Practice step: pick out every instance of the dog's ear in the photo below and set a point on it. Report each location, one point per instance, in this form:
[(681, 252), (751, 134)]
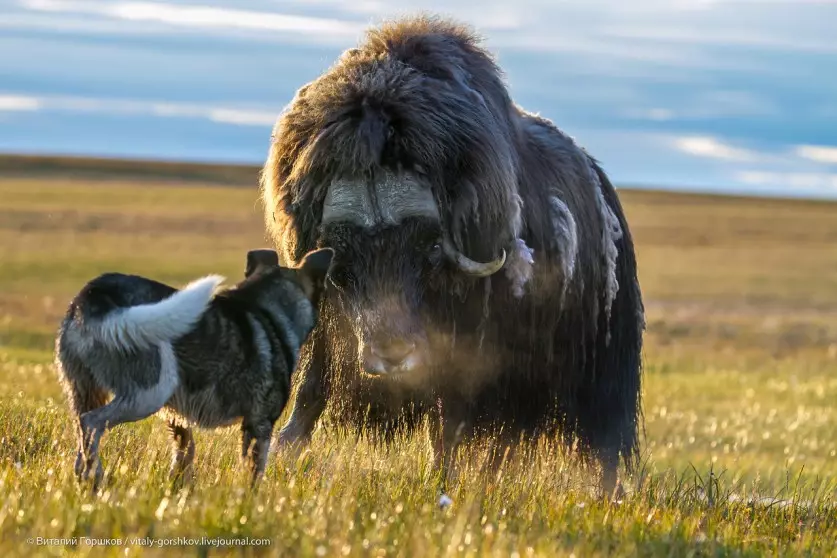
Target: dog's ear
[(256, 259), (313, 270)]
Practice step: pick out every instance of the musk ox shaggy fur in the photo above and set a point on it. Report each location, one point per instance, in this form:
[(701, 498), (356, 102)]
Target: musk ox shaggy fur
[(484, 273)]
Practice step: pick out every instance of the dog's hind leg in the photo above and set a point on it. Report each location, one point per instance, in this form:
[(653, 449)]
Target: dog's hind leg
[(184, 451), (84, 395), (128, 406)]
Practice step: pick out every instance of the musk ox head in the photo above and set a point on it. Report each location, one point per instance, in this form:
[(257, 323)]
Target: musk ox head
[(402, 158)]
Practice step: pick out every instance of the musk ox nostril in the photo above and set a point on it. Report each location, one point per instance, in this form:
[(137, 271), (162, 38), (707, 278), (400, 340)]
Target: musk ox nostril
[(393, 352)]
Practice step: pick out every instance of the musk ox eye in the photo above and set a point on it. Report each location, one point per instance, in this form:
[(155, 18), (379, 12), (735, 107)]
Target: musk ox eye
[(435, 253)]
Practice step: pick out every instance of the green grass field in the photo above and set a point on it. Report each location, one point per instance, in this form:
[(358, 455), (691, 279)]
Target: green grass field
[(740, 394)]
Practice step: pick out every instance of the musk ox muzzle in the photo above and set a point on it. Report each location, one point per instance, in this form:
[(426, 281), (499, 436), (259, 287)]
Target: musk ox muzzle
[(391, 356), (392, 339)]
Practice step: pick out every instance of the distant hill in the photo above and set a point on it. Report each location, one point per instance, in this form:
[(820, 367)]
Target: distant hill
[(55, 167), (84, 168)]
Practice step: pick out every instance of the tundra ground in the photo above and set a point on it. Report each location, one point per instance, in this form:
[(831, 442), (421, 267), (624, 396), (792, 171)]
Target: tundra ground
[(740, 397)]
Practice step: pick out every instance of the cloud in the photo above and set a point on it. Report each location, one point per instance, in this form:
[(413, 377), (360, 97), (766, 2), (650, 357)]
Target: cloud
[(818, 153), (729, 37), (707, 104), (243, 117), (807, 181), (203, 17), (493, 14), (657, 114), (225, 115), (14, 103), (605, 34), (799, 169), (710, 147)]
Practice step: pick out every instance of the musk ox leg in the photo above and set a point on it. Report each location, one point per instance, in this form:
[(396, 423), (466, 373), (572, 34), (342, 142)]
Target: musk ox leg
[(502, 449), (611, 485), (309, 404), (447, 425), (311, 396), (614, 398)]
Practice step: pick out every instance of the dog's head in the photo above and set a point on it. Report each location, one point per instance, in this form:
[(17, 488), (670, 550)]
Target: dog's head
[(309, 275)]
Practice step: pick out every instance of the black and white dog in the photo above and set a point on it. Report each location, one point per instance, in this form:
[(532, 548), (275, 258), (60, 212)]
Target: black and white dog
[(203, 356)]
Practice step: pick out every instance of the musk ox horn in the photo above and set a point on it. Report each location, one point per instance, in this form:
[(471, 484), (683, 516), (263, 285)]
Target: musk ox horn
[(468, 265)]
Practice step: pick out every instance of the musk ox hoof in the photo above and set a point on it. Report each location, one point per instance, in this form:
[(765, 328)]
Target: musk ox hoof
[(613, 494), (292, 440)]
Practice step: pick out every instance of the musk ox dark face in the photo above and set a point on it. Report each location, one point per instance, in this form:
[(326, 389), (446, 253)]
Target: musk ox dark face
[(393, 263), (382, 278)]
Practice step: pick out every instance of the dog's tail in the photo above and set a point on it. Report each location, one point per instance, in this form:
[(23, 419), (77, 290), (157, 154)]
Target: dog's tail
[(146, 325)]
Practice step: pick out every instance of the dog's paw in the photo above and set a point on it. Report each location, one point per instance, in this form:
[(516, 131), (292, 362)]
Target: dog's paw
[(89, 471)]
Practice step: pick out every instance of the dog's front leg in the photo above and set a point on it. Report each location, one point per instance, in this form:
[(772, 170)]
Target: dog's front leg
[(255, 445), (184, 452)]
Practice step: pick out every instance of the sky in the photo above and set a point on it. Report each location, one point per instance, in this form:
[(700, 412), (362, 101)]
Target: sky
[(704, 95)]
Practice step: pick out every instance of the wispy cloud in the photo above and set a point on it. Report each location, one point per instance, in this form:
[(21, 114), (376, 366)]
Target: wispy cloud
[(807, 181), (242, 117), (710, 147), (705, 104), (203, 17), (227, 115), (656, 114), (818, 153), (656, 32), (493, 15), (732, 36), (14, 103), (787, 170)]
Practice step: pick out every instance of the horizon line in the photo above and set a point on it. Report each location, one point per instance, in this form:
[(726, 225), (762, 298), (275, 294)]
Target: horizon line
[(129, 163)]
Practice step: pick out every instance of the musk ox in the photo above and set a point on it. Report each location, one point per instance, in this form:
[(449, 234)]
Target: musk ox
[(484, 274)]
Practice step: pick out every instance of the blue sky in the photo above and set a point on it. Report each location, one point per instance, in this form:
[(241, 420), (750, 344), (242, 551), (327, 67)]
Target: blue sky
[(712, 95)]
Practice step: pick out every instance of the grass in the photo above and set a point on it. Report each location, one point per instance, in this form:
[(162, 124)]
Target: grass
[(740, 392)]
